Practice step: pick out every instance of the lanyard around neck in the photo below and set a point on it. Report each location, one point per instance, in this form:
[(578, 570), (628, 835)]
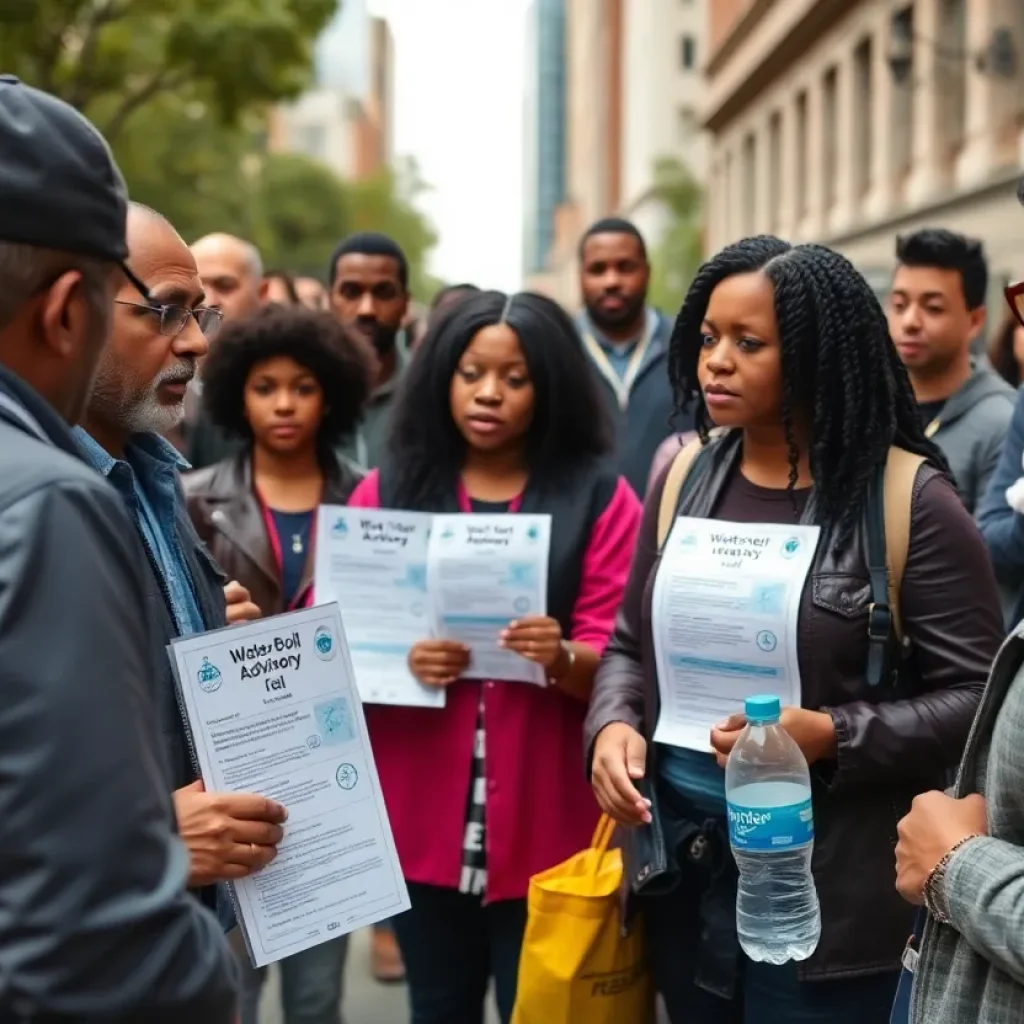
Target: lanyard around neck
[(623, 385)]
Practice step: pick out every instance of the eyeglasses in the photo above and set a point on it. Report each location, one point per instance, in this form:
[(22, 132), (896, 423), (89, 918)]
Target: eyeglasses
[(1015, 297), (174, 318)]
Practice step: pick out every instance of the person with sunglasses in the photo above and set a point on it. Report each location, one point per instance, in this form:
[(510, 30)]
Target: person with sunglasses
[(138, 395), (1001, 513)]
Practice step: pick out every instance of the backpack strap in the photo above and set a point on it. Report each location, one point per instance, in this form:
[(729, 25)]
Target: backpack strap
[(887, 519), (673, 488), (898, 489)]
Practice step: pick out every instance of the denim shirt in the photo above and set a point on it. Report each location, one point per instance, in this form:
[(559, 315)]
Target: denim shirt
[(147, 480)]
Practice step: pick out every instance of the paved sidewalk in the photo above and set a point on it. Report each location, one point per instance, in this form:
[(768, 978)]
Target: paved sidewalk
[(365, 1001)]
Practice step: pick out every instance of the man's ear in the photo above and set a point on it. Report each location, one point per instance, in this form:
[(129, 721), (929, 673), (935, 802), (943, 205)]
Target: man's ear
[(263, 290), (64, 313), (978, 317)]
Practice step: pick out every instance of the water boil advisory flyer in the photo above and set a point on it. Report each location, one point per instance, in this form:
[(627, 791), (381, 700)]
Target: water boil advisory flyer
[(273, 709)]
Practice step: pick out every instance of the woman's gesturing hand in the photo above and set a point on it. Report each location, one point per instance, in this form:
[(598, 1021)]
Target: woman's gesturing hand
[(536, 637), (620, 755), (438, 662)]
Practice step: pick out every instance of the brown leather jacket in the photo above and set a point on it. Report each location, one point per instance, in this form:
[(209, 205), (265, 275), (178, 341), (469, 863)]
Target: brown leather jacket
[(227, 515), (892, 743)]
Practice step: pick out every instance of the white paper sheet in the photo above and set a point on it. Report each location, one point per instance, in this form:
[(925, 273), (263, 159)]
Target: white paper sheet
[(374, 564), (725, 608), (273, 709), (483, 572)]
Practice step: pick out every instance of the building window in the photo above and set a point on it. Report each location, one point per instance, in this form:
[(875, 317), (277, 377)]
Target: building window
[(863, 114), (802, 156), (688, 52), (774, 171), (901, 133), (688, 127), (951, 74), (830, 110), (749, 184)]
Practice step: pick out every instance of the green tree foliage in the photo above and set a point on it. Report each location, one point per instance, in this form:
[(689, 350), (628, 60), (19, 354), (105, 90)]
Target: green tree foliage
[(181, 89), (112, 58), (304, 210), (679, 251), (386, 202)]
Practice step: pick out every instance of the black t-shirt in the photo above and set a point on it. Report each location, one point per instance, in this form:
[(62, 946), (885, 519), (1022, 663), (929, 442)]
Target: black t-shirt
[(930, 411)]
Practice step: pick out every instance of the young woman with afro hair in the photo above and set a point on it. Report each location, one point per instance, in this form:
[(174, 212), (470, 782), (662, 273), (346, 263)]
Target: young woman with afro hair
[(291, 383)]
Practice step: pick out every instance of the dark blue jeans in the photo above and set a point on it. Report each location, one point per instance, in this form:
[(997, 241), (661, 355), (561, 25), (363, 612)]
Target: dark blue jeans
[(764, 994), (452, 945)]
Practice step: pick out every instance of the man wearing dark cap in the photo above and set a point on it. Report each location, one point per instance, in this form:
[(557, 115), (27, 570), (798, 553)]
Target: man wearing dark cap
[(95, 923)]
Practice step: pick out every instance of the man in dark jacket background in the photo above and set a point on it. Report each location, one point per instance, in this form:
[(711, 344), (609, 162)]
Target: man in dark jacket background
[(627, 342), (95, 922)]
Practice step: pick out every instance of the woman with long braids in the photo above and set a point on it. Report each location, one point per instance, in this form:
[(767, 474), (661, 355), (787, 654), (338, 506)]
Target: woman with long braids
[(786, 350), (498, 414)]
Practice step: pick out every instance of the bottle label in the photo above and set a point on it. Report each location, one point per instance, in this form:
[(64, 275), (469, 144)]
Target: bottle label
[(771, 828)]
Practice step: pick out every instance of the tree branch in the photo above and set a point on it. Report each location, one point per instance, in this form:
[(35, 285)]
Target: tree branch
[(103, 13), (48, 58), (162, 81)]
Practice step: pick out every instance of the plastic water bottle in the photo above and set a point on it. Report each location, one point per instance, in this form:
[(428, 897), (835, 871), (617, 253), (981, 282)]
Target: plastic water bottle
[(771, 831)]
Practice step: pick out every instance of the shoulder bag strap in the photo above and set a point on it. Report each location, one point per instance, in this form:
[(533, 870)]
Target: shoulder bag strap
[(673, 488), (887, 521)]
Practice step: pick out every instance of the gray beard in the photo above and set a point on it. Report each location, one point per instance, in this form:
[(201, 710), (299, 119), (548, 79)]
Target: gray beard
[(134, 413)]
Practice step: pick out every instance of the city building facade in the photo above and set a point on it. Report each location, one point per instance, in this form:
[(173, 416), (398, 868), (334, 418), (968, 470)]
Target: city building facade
[(345, 120), (662, 92), (544, 139), (632, 96), (850, 123)]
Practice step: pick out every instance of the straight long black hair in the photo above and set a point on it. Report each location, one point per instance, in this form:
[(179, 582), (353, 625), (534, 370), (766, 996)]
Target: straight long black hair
[(840, 369), (570, 420)]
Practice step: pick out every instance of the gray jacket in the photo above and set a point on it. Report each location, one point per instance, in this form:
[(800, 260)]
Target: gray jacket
[(95, 921), (972, 426), (974, 970)]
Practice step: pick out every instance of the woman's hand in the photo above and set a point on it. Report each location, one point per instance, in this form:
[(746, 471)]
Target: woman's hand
[(935, 824), (438, 662), (813, 731), (537, 638), (620, 755)]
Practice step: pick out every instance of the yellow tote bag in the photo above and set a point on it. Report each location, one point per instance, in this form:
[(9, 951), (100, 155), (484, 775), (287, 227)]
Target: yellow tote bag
[(576, 967)]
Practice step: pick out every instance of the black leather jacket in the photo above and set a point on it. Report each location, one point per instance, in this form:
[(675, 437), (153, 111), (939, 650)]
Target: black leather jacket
[(893, 742)]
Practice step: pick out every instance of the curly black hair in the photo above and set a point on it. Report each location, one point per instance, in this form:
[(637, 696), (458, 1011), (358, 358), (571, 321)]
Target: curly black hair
[(839, 368), (315, 340), (570, 421)]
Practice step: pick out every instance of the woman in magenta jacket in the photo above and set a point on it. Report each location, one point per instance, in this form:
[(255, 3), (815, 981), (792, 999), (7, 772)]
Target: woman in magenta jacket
[(498, 414)]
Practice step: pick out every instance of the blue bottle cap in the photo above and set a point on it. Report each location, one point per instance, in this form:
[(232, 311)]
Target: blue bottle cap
[(763, 708)]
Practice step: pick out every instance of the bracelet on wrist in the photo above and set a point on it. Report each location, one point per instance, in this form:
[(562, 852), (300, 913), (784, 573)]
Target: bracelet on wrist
[(934, 897), (566, 658)]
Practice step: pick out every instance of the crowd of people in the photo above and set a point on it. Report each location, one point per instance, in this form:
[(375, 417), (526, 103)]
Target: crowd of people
[(173, 415)]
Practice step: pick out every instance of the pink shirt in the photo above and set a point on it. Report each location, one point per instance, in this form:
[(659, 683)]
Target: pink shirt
[(540, 809)]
